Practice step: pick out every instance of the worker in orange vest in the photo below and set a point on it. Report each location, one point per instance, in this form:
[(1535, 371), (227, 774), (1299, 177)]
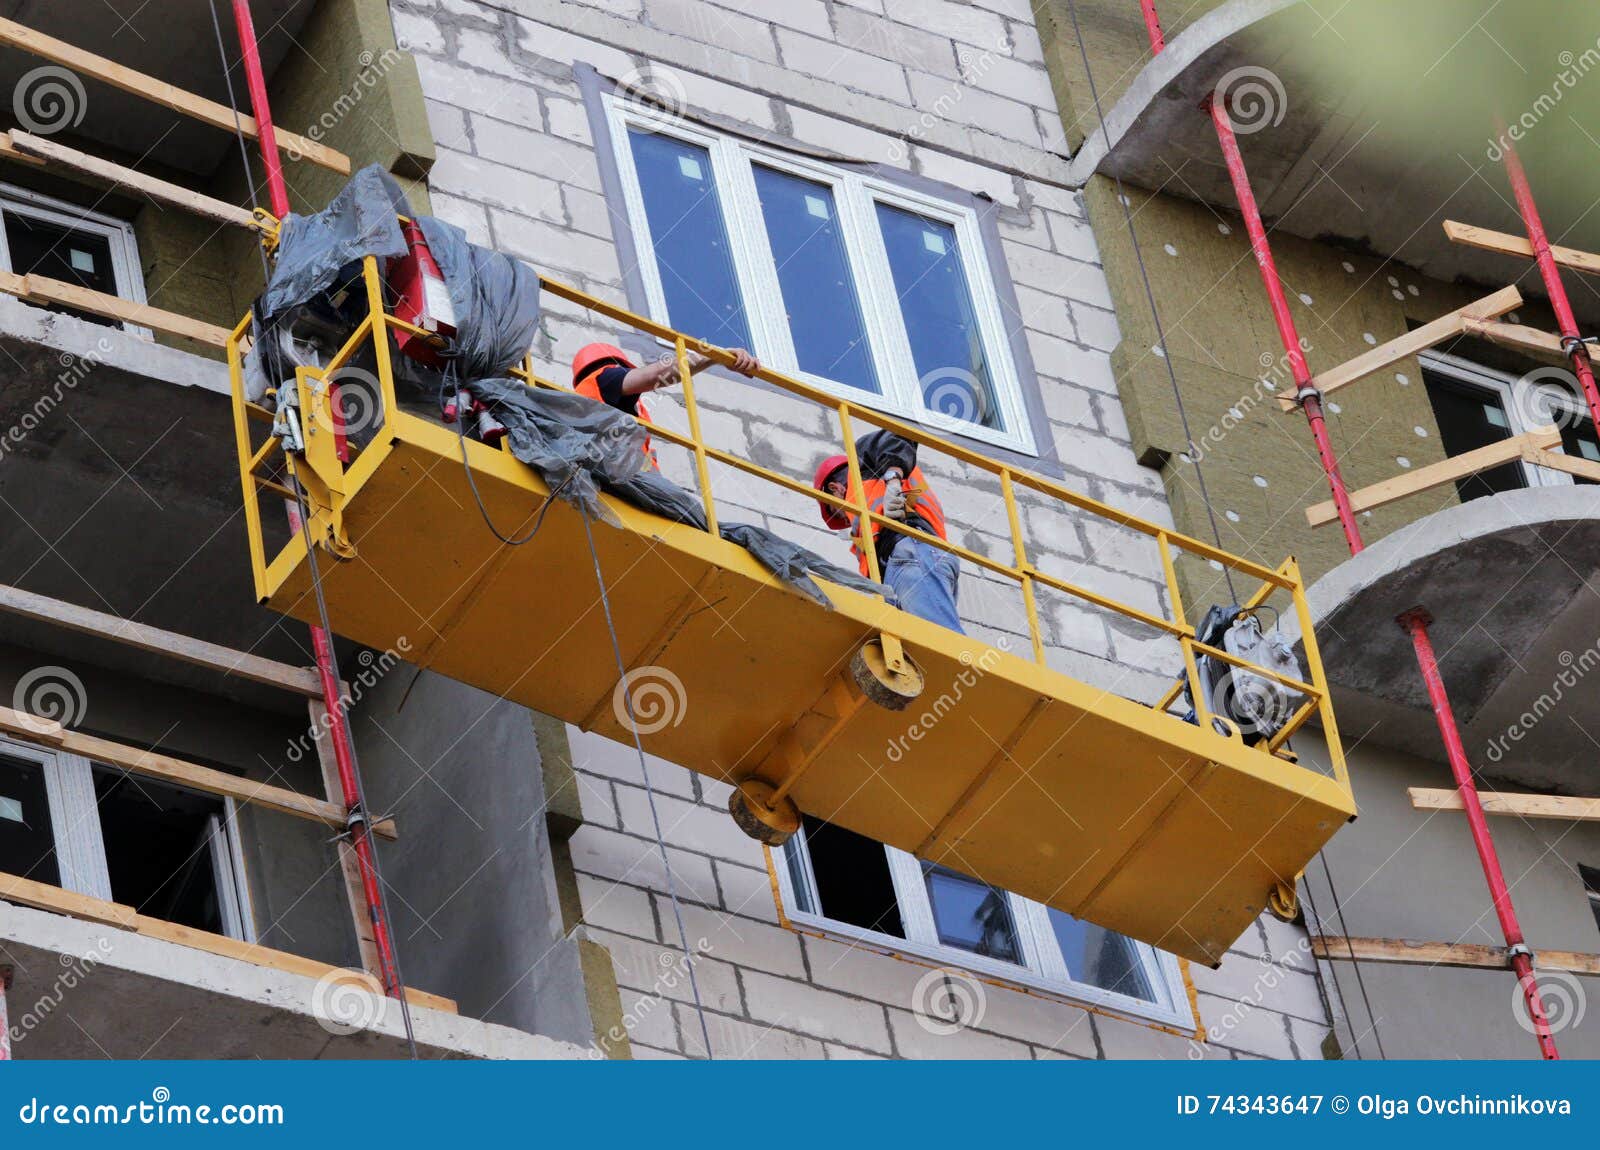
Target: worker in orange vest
[(603, 371), (924, 577)]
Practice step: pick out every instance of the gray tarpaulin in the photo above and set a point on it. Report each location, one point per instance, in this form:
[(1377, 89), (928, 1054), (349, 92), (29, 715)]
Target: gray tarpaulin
[(577, 445), (496, 301), (361, 221)]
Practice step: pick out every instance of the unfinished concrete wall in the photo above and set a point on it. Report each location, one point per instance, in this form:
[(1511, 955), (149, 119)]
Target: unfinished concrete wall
[(951, 93), (299, 895), (1423, 1012), (476, 914)]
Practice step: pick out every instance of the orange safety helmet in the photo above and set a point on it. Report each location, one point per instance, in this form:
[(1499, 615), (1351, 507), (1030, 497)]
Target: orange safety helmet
[(831, 515), (592, 357)]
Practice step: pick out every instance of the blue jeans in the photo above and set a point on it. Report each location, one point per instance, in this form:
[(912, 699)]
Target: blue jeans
[(925, 579)]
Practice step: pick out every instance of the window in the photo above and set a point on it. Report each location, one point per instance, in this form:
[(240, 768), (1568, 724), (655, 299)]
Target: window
[(49, 237), (837, 880), (851, 283), (1476, 406), (169, 853), (1591, 886)]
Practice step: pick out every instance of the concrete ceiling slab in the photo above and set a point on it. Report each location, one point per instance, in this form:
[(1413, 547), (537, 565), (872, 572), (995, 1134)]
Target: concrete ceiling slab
[(119, 491), (172, 40), (1366, 123), (1512, 582)]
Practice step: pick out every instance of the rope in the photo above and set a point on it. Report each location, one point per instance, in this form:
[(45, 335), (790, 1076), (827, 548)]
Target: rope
[(311, 551), (649, 790), (1200, 477), (355, 764), (1338, 991), (1150, 296), (1338, 907), (238, 130)]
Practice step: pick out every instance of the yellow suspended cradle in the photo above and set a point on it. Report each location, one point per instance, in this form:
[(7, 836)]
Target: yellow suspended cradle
[(1109, 809)]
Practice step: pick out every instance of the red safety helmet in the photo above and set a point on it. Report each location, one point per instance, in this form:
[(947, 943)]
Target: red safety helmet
[(831, 515), (592, 357)]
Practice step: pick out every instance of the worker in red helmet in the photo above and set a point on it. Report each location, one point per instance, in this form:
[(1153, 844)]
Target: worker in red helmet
[(604, 372), (924, 577)]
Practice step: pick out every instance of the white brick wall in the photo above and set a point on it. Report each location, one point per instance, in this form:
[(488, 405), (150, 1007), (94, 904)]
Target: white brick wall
[(953, 92)]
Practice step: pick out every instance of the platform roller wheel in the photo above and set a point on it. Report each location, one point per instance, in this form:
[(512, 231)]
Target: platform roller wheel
[(892, 690), (1283, 900), (765, 824)]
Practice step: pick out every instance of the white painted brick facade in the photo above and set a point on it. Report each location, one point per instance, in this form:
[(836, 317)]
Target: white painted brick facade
[(954, 92)]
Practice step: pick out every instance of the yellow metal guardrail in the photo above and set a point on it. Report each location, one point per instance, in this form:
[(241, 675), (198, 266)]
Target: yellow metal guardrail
[(323, 463)]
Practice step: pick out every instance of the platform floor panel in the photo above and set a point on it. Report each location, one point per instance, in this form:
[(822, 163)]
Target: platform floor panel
[(1102, 807)]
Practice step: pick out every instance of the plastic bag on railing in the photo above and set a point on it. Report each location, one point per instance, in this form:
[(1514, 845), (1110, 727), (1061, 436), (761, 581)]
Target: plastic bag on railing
[(363, 220), (495, 299)]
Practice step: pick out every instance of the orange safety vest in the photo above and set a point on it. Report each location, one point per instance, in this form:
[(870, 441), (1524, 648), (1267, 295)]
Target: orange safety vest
[(920, 501), (591, 388)]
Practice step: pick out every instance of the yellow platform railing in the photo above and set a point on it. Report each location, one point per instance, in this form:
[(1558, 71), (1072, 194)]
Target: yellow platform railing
[(315, 400)]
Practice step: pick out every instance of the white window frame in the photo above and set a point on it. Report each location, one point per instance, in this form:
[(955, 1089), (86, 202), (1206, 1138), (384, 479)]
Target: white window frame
[(855, 199), (1043, 968), (118, 234), (1515, 396), (80, 838)]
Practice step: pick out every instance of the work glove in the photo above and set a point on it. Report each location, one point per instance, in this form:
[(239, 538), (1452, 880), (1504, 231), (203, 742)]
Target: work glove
[(894, 504)]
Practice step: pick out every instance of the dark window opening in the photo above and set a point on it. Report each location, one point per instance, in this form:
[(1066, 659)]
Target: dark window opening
[(158, 849), (27, 838), (39, 247), (1591, 884), (853, 882), (1469, 418), (1579, 441)]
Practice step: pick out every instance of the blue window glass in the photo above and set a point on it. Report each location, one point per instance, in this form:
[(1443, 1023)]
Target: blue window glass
[(690, 238), (1100, 957), (819, 293), (972, 915), (940, 319)]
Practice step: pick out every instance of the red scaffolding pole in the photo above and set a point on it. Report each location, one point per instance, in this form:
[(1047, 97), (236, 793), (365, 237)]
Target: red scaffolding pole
[(1414, 622), (1571, 342), (327, 668), (5, 1014)]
